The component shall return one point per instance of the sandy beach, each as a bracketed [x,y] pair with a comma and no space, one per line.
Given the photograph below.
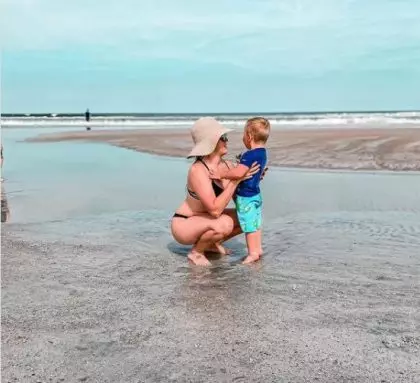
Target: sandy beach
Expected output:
[94,289]
[345,148]
[97,104]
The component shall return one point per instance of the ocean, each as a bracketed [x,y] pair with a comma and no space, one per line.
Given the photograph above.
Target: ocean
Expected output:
[95,289]
[317,120]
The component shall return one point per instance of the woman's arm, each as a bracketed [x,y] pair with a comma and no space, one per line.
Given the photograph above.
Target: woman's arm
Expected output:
[200,182]
[224,165]
[226,172]
[199,179]
[229,171]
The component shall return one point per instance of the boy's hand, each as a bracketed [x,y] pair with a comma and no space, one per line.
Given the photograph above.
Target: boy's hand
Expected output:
[263,173]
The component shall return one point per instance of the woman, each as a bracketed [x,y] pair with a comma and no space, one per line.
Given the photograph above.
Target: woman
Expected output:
[202,219]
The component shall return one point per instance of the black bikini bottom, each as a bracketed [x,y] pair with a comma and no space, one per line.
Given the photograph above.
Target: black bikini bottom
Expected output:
[180,216]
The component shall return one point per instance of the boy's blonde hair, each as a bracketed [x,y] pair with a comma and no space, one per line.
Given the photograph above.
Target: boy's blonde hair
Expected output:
[258,128]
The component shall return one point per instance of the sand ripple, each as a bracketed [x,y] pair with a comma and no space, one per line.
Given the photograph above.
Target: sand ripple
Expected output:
[379,149]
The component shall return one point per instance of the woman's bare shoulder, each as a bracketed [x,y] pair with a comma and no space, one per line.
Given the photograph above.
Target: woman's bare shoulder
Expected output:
[197,171]
[196,167]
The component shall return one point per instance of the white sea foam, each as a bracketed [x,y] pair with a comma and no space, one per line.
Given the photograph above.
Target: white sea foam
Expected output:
[165,121]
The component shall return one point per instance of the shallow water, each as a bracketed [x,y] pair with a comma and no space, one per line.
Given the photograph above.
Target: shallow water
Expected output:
[48,182]
[96,288]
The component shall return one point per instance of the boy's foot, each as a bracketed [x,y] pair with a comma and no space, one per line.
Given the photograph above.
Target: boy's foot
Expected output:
[219,249]
[198,259]
[251,258]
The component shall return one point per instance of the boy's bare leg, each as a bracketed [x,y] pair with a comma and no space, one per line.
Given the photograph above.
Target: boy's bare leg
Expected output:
[260,251]
[253,242]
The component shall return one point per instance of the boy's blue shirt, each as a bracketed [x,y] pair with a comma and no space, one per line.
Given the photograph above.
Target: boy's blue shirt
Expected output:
[251,187]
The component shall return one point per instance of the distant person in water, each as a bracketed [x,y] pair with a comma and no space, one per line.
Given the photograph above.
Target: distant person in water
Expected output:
[87,118]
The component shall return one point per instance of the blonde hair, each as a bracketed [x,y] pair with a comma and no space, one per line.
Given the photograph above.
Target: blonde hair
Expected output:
[258,128]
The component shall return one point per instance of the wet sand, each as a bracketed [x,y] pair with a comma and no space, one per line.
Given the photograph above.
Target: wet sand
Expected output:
[396,149]
[94,301]
[96,290]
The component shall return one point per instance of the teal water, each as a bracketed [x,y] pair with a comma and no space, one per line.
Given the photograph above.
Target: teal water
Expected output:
[96,185]
[45,181]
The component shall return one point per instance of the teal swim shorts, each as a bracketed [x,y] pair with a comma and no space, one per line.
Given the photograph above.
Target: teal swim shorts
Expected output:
[249,212]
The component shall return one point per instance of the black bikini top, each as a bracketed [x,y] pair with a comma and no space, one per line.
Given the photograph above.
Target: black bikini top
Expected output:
[216,188]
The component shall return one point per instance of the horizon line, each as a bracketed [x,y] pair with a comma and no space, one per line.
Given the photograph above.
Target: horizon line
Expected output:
[208,113]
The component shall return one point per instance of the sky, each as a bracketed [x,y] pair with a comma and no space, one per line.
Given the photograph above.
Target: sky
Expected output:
[157,56]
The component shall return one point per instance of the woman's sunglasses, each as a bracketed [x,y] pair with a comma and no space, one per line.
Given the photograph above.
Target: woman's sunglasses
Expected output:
[224,138]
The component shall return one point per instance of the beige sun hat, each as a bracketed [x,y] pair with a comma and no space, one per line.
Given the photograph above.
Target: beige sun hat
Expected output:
[206,133]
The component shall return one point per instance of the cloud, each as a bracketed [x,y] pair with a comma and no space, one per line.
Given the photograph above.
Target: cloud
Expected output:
[264,36]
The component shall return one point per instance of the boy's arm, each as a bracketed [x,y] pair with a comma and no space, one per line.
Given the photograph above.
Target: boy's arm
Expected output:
[239,171]
[232,174]
[235,173]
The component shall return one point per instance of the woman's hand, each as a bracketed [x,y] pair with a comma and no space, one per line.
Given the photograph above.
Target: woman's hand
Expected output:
[254,169]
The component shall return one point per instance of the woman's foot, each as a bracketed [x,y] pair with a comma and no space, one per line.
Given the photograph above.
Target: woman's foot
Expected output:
[198,259]
[219,249]
[251,258]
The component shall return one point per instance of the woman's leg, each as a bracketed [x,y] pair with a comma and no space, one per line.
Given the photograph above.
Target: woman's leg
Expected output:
[196,254]
[217,247]
[187,231]
[202,231]
[236,227]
